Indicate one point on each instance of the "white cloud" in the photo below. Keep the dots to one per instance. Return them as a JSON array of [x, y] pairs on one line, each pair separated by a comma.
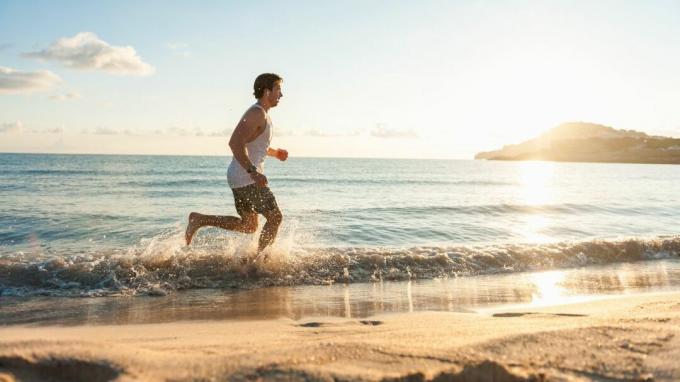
[[15, 81], [5, 46], [12, 127], [104, 131], [100, 130], [18, 128], [320, 133], [184, 132], [174, 130], [315, 133], [223, 133], [86, 51], [64, 97], [383, 132]]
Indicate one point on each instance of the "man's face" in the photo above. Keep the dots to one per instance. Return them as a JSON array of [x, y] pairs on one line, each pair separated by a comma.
[[275, 94]]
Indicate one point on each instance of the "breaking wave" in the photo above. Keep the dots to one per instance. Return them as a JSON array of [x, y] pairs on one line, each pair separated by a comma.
[[162, 264]]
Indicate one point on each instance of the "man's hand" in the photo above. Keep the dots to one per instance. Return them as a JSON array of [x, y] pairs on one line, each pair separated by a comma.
[[260, 179], [281, 154]]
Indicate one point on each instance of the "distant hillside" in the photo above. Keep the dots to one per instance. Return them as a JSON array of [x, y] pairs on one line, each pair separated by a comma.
[[589, 142]]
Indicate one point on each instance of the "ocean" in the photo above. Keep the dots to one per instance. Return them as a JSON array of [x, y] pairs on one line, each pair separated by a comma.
[[104, 225]]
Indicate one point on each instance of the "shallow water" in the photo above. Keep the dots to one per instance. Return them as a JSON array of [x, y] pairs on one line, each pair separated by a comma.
[[93, 225]]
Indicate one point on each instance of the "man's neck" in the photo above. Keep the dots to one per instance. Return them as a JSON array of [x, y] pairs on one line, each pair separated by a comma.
[[264, 105]]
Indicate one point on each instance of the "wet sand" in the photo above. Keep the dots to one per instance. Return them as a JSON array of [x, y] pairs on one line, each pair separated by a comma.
[[633, 337], [357, 300]]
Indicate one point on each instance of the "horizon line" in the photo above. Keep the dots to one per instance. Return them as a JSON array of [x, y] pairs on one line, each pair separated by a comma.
[[226, 155]]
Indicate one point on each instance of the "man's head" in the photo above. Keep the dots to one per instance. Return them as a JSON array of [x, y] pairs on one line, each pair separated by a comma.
[[267, 88]]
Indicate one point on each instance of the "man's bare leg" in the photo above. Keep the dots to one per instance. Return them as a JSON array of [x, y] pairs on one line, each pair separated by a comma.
[[270, 228], [246, 223]]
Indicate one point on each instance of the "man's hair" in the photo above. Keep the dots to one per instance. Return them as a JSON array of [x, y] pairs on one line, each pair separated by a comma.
[[265, 81]]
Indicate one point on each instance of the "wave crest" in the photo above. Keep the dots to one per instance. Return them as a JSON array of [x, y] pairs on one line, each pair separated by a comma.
[[162, 264]]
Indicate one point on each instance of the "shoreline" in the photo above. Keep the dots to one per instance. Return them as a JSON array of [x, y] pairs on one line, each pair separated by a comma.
[[633, 337], [350, 300]]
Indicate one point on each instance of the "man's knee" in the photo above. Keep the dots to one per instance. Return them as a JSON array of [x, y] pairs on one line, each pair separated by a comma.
[[274, 217], [250, 228], [249, 225]]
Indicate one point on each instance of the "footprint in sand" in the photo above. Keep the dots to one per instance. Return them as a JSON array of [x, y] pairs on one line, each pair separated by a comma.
[[315, 324], [520, 314]]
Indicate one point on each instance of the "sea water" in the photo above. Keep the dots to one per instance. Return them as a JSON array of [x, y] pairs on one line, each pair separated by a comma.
[[92, 225]]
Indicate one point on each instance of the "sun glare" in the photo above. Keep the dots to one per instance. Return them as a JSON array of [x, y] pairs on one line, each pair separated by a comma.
[[535, 179], [548, 288]]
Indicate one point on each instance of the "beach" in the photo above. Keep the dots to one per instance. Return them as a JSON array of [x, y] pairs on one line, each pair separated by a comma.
[[475, 271], [632, 337]]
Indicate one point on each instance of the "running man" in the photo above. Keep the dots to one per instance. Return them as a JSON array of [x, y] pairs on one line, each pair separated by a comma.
[[249, 144]]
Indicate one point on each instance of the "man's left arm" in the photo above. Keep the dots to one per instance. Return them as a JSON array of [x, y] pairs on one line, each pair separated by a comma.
[[279, 154]]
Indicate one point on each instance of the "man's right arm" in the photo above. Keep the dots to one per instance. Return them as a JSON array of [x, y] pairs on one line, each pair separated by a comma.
[[246, 131]]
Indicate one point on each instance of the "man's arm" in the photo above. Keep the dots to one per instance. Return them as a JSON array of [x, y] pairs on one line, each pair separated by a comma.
[[246, 130]]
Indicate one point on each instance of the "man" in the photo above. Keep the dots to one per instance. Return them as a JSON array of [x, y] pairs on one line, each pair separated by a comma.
[[249, 144]]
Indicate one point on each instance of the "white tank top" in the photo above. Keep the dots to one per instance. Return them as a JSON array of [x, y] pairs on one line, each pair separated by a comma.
[[237, 176]]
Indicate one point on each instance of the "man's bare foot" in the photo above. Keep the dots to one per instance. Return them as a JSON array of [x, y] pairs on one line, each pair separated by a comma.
[[192, 226], [262, 256]]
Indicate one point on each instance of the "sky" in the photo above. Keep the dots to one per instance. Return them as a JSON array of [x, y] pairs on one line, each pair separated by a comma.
[[402, 79]]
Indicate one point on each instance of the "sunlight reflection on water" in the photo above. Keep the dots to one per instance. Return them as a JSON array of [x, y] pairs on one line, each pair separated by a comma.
[[536, 188]]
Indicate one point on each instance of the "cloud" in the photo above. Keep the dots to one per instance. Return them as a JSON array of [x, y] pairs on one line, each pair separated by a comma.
[[12, 127], [383, 132], [15, 81], [320, 133], [4, 46], [184, 132], [285, 133], [316, 133], [102, 131], [18, 128], [64, 97], [223, 133], [174, 130], [86, 51]]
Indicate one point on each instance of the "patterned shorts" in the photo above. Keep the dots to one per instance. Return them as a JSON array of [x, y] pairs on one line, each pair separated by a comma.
[[251, 199]]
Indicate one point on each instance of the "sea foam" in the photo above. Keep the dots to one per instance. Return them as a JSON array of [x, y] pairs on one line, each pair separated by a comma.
[[163, 264]]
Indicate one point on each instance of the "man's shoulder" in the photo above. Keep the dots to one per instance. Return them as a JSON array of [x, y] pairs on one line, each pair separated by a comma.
[[255, 111], [255, 115]]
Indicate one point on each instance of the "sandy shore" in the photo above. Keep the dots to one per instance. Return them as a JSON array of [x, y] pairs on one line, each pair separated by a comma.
[[623, 338]]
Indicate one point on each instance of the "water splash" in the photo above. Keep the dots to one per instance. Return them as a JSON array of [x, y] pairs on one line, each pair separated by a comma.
[[163, 264]]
